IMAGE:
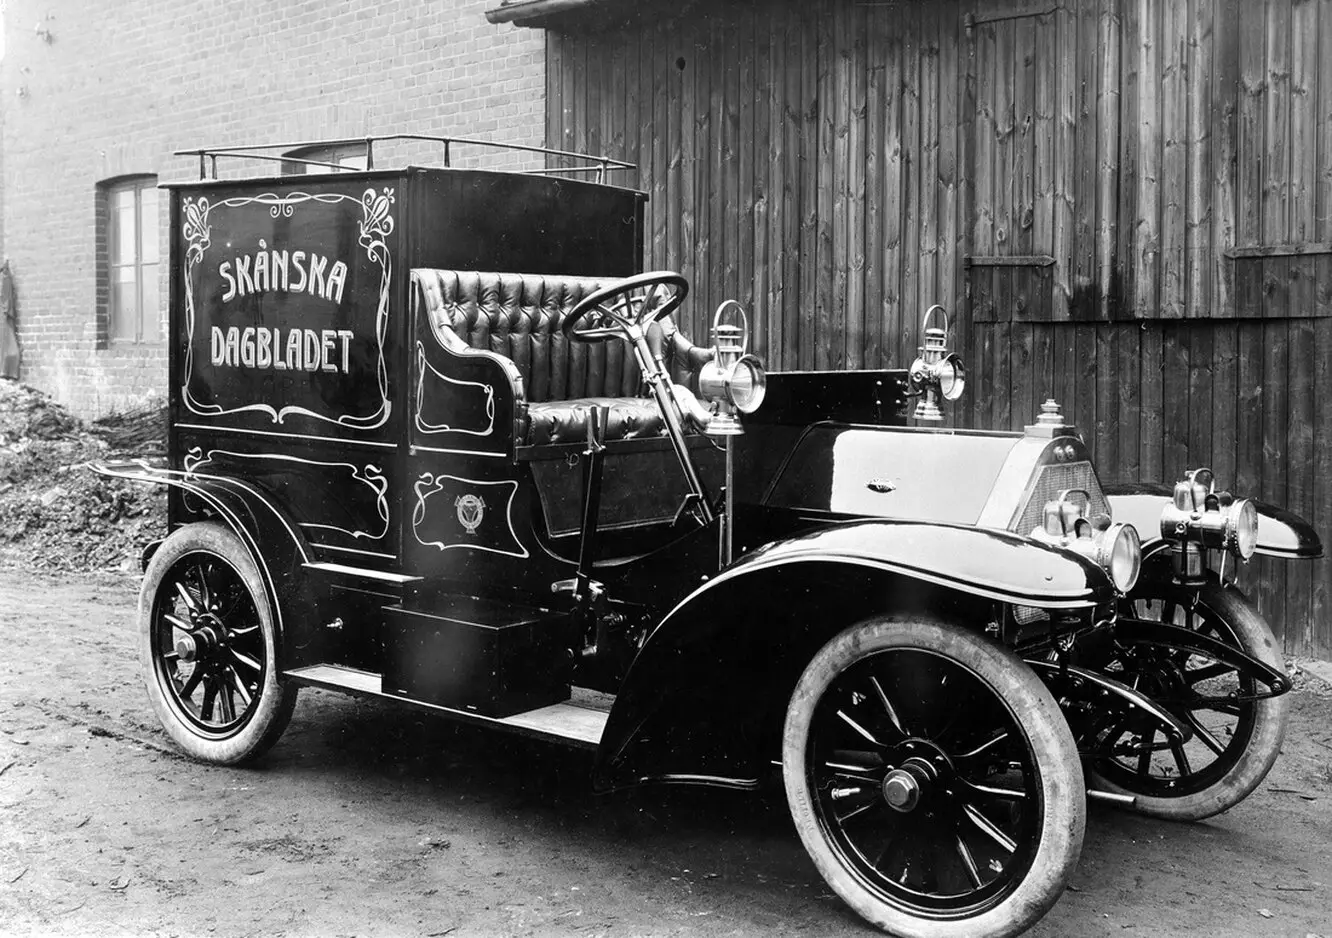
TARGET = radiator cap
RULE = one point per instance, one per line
(1050, 423)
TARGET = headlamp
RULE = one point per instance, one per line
(936, 372)
(1115, 548)
(1200, 518)
(733, 380)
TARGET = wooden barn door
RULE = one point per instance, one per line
(1030, 204)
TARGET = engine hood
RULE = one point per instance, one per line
(966, 477)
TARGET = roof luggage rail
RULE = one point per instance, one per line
(208, 156)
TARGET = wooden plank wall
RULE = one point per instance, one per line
(1214, 351)
(835, 165)
(801, 157)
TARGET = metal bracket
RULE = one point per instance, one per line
(1175, 638)
(1085, 684)
(970, 21)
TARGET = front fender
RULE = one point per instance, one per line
(993, 564)
(272, 538)
(1281, 533)
(702, 697)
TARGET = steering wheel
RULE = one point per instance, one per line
(635, 301)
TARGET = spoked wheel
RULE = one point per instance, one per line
(208, 647)
(1236, 738)
(933, 780)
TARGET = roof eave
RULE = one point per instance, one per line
(534, 12)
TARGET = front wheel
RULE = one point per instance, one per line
(208, 647)
(1236, 737)
(933, 780)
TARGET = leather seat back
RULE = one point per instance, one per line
(520, 316)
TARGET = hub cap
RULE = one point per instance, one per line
(901, 790)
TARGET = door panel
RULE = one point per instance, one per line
(1021, 210)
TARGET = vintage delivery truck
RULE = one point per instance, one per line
(435, 438)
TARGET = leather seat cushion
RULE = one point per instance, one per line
(630, 418)
(519, 317)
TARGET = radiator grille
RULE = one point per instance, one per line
(1050, 481)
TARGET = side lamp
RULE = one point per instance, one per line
(936, 373)
(1200, 518)
(734, 380)
(1114, 547)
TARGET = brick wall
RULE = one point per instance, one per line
(122, 83)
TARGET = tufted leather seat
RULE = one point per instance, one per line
(519, 317)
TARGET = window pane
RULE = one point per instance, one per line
(148, 224)
(124, 300)
(130, 262)
(352, 157)
(123, 251)
(150, 329)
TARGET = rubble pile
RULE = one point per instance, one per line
(54, 513)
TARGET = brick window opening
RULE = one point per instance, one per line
(127, 256)
(324, 159)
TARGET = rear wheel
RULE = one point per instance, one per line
(1235, 740)
(208, 647)
(933, 780)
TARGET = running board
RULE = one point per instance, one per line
(578, 723)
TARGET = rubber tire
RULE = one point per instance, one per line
(276, 699)
(1269, 730)
(1057, 764)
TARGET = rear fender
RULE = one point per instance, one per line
(1281, 533)
(275, 543)
(709, 687)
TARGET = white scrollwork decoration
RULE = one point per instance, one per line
(367, 474)
(194, 228)
(423, 367)
(428, 483)
(375, 226)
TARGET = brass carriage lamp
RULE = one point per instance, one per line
(1200, 518)
(936, 372)
(734, 380)
(1114, 547)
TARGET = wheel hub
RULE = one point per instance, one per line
(901, 790)
(199, 644)
(905, 787)
(1160, 679)
(187, 648)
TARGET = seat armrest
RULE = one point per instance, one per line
(461, 397)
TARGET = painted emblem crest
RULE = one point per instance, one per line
(471, 510)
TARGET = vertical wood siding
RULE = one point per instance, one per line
(1123, 204)
(801, 157)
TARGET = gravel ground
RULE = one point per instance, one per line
(370, 819)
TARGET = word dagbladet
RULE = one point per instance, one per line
(300, 350)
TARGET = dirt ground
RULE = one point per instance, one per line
(369, 819)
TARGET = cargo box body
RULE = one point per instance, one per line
(291, 360)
